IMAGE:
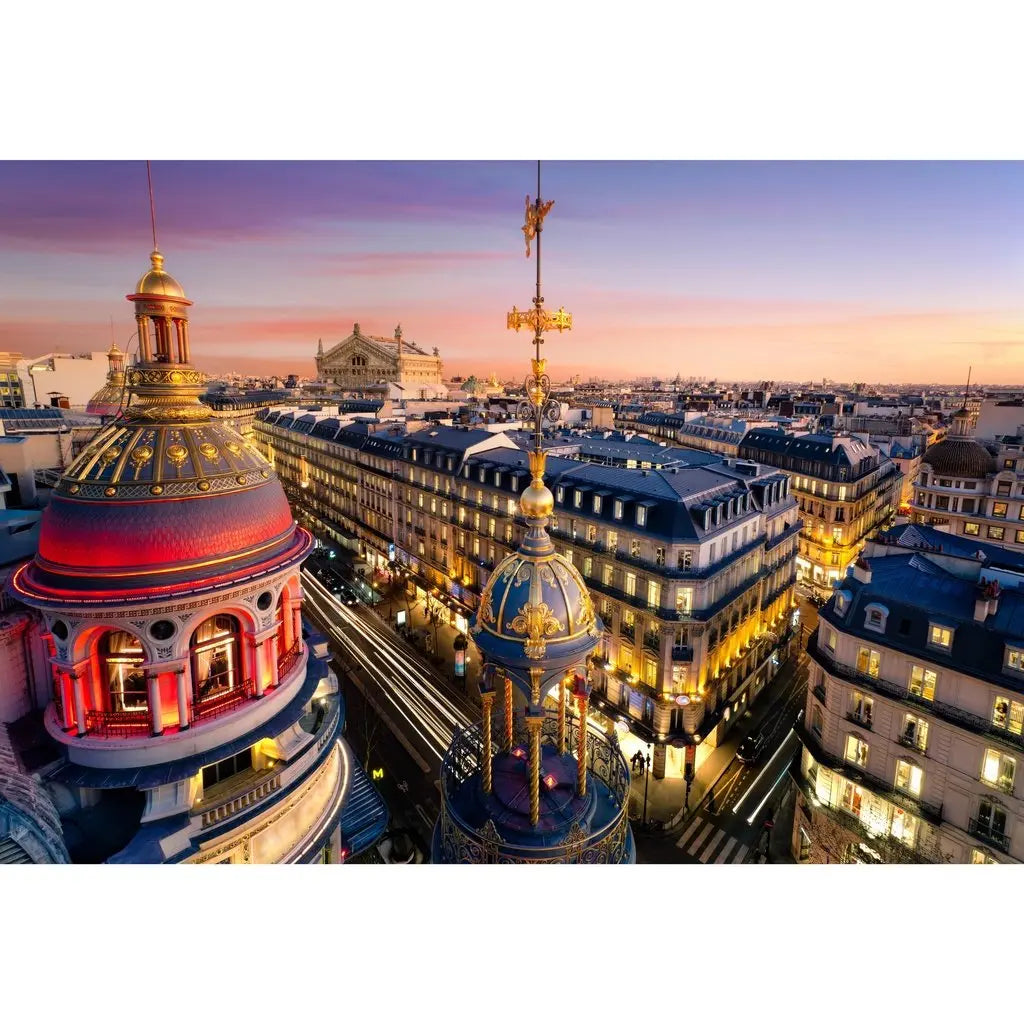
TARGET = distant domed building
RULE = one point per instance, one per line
(198, 721)
(972, 489)
(107, 402)
(535, 784)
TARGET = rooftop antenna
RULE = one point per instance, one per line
(152, 204)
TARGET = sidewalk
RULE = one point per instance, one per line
(445, 639)
(665, 797)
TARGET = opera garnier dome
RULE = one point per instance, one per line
(199, 720)
(533, 782)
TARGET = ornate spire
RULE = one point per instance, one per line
(537, 501)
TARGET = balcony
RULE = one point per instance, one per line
(983, 831)
(819, 692)
(286, 662)
(223, 703)
(651, 642)
(682, 653)
(629, 632)
(119, 724)
(947, 712)
(911, 743)
(608, 779)
(863, 721)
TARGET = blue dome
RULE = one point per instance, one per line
(535, 610)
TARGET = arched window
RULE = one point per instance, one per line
(216, 664)
(121, 663)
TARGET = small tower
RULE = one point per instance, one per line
(537, 785)
(107, 402)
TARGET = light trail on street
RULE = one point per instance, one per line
(410, 694)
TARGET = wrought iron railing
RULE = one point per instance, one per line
(462, 843)
(863, 722)
(119, 724)
(286, 662)
(221, 704)
(819, 692)
(983, 831)
(947, 712)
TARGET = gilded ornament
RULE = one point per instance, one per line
(110, 455)
(232, 447)
(535, 214)
(177, 454)
(240, 479)
(74, 489)
(156, 489)
(536, 622)
(141, 455)
(486, 611)
(110, 492)
(264, 474)
(209, 451)
(203, 485)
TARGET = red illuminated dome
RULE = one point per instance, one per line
(166, 498)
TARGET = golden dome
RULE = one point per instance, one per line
(157, 281)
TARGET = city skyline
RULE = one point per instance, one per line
(743, 270)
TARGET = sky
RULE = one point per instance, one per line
(851, 271)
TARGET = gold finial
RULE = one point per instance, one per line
(156, 259)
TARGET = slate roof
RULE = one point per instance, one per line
(917, 591)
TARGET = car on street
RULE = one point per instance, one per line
(750, 749)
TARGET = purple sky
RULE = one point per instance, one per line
(853, 271)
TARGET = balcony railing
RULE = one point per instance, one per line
(651, 642)
(682, 653)
(947, 712)
(120, 724)
(983, 831)
(819, 692)
(463, 842)
(864, 723)
(911, 743)
(629, 632)
(221, 704)
(286, 662)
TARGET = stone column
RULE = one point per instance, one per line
(155, 710)
(78, 683)
(183, 721)
(658, 761)
(145, 348)
(257, 669)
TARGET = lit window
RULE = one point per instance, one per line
(922, 682)
(981, 857)
(996, 532)
(868, 662)
(998, 769)
(856, 751)
(606, 575)
(903, 826)
(577, 499)
(617, 510)
(831, 639)
(630, 584)
(999, 509)
(1015, 659)
(940, 636)
(684, 600)
(641, 515)
(861, 708)
(971, 529)
(597, 505)
(909, 778)
(653, 593)
(915, 732)
(1008, 715)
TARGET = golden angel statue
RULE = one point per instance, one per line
(535, 215)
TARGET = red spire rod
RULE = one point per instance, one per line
(152, 205)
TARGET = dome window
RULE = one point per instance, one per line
(162, 629)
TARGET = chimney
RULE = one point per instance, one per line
(862, 571)
(986, 602)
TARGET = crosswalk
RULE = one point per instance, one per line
(710, 845)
